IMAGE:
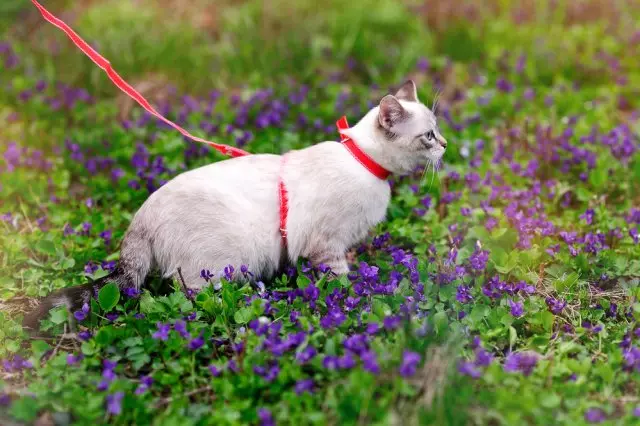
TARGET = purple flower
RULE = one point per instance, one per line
(522, 362)
(233, 366)
(555, 305)
(181, 327)
(114, 403)
(357, 343)
(106, 236)
(5, 399)
(74, 359)
(334, 318)
(391, 322)
(463, 294)
(636, 411)
(370, 362)
(517, 308)
(215, 371)
(163, 331)
(346, 361)
(588, 216)
(131, 292)
(228, 272)
(306, 354)
(303, 386)
(269, 373)
(195, 344)
(330, 362)
(423, 64)
(595, 415)
(266, 419)
(373, 328)
(483, 358)
(86, 228)
(112, 316)
(410, 361)
(85, 335)
(469, 369)
(479, 259)
(632, 359)
(16, 364)
(81, 315)
(108, 266)
(108, 375)
(145, 384)
(90, 268)
(206, 275)
(351, 303)
(244, 269)
(504, 86)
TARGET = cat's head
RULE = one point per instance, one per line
(404, 131)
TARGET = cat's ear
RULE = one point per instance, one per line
(391, 112)
(408, 92)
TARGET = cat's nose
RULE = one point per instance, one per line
(442, 141)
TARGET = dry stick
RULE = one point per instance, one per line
(55, 351)
(167, 400)
(184, 286)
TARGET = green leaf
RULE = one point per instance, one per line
(440, 321)
(599, 176)
(566, 282)
(550, 399)
(108, 296)
(105, 336)
(243, 315)
(68, 263)
(39, 347)
(59, 315)
(88, 348)
(25, 409)
(513, 336)
(46, 247)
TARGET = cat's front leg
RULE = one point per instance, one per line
(334, 259)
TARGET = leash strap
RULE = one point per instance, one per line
(105, 65)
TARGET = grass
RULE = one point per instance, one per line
(510, 276)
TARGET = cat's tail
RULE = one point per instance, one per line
(130, 272)
(71, 297)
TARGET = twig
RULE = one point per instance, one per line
(184, 286)
(66, 336)
(167, 400)
(55, 351)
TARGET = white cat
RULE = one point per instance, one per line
(227, 213)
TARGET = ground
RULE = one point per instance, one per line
(502, 289)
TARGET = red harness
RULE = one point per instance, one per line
(366, 161)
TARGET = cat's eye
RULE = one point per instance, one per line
(430, 135)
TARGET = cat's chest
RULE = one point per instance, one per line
(361, 203)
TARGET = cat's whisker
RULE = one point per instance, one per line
(436, 98)
(433, 174)
(424, 171)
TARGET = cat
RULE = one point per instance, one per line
(227, 213)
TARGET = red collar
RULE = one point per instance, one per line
(369, 163)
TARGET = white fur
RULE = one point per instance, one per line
(228, 212)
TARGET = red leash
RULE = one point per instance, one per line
(366, 161)
(104, 64)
